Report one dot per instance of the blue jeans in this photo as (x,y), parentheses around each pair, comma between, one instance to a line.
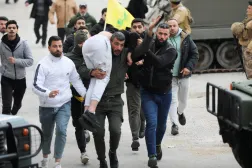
(155,108)
(48,117)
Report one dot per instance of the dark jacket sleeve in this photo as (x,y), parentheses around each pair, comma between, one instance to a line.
(164,59)
(29,1)
(68,43)
(71,22)
(84,72)
(193,55)
(142,48)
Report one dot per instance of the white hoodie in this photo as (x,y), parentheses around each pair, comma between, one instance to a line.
(54,73)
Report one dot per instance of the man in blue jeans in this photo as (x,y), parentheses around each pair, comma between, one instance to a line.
(52,79)
(155,79)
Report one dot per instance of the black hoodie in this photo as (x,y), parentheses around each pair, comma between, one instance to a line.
(97,28)
(11,43)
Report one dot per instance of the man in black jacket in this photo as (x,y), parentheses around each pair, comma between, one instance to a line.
(136,117)
(69,42)
(156,79)
(40,14)
(185,63)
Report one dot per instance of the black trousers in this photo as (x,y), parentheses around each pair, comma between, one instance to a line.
(12,88)
(41,20)
(112,108)
(61,33)
(77,109)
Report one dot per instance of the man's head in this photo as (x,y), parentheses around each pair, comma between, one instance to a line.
(80,21)
(12,28)
(117,43)
(162,32)
(249,9)
(55,46)
(83,8)
(3,21)
(175,3)
(137,25)
(79,38)
(104,13)
(174,27)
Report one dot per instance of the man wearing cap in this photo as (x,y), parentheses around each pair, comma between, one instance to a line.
(90,20)
(3,21)
(182,15)
(77,107)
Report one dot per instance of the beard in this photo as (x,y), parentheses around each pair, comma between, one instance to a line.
(159,43)
(57,53)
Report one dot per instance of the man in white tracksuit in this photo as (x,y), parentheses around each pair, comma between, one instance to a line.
(52,79)
(185,63)
(97,55)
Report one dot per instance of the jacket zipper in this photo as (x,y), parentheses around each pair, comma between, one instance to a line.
(14,66)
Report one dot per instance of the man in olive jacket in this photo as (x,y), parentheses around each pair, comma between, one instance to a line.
(89,19)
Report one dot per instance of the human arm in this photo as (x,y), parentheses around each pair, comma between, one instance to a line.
(145,45)
(76,81)
(193,55)
(51,13)
(71,22)
(38,82)
(163,59)
(27,61)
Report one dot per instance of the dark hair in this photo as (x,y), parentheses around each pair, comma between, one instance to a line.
(3,18)
(79,18)
(11,22)
(103,10)
(118,35)
(163,26)
(136,20)
(53,38)
(176,3)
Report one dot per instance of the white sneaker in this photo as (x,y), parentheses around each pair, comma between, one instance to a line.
(84,158)
(57,165)
(44,163)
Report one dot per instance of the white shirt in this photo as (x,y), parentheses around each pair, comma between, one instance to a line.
(56,73)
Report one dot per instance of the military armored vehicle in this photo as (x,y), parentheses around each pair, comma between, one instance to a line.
(19,142)
(210,30)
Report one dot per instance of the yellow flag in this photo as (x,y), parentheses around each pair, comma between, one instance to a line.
(118,16)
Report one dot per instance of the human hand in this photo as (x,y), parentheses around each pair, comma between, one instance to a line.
(139,41)
(154,22)
(11,60)
(27,4)
(185,72)
(53,93)
(140,62)
(97,73)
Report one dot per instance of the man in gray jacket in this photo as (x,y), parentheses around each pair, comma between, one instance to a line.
(15,56)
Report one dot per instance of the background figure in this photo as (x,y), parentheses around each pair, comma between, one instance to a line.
(137,8)
(39,12)
(83,11)
(64,9)
(3,21)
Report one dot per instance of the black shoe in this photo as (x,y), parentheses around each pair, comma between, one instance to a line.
(152,163)
(89,121)
(135,145)
(43,45)
(174,129)
(159,152)
(103,164)
(141,134)
(182,119)
(7,2)
(113,160)
(38,39)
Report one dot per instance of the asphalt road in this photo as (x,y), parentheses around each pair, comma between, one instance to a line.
(198,144)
